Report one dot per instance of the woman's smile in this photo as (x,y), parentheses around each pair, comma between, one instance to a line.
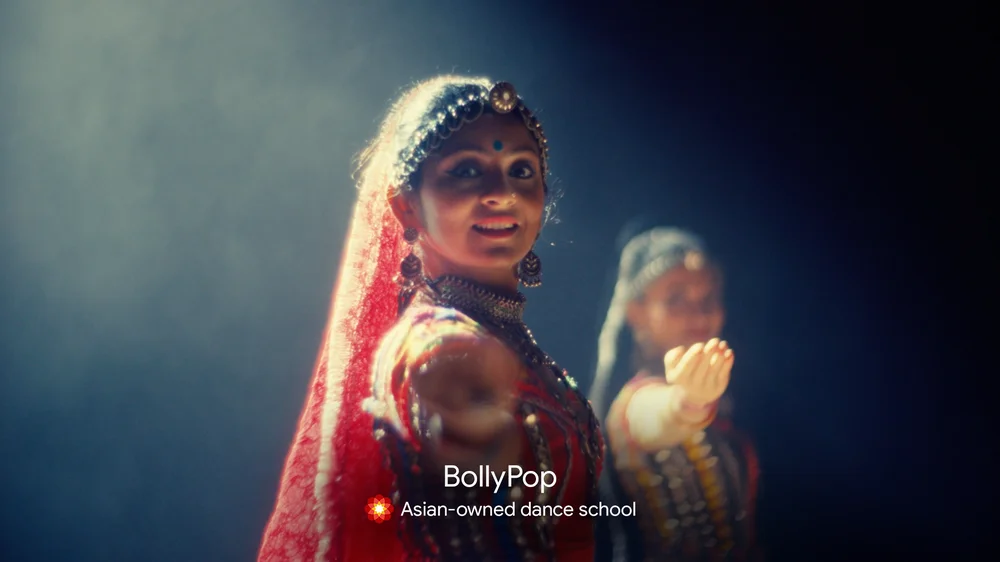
(497,227)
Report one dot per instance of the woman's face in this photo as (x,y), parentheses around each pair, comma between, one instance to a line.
(679,308)
(480,200)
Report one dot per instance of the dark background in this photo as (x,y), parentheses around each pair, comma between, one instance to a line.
(176,187)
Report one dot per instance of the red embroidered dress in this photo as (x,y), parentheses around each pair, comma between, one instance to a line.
(560,434)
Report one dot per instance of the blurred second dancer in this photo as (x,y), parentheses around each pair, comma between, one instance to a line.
(662,372)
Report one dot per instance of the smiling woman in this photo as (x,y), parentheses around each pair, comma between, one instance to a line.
(478,204)
(427,363)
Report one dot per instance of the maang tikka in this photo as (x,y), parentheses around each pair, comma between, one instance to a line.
(410,271)
(529,270)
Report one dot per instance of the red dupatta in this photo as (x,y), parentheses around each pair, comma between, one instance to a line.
(335,465)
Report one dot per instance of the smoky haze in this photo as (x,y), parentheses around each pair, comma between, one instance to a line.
(148,132)
(176,186)
(155,150)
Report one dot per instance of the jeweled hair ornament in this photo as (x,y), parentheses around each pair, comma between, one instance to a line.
(460,106)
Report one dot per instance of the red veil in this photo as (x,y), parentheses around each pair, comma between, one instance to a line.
(335,464)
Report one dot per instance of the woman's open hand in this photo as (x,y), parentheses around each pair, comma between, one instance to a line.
(467,391)
(701,371)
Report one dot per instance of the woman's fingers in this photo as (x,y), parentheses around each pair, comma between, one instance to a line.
(470,414)
(469,437)
(701,372)
(469,371)
(716,362)
(465,388)
(672,358)
(726,367)
(719,356)
(475,426)
(717,380)
(682,374)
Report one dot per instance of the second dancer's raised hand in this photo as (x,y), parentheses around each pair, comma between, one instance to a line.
(701,371)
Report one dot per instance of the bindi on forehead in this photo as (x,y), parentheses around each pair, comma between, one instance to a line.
(490,134)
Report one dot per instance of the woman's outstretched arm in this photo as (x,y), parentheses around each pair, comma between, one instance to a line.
(655,413)
(448,392)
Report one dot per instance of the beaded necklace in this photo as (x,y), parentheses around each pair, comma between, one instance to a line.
(699,455)
(504,314)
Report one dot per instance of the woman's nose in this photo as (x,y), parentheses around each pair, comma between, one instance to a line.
(500,195)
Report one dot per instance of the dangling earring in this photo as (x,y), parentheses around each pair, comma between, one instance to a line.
(529,270)
(410,271)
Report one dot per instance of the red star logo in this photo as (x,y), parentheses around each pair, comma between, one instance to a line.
(379,509)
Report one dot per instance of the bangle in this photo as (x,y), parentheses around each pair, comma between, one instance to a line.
(707,412)
(696,408)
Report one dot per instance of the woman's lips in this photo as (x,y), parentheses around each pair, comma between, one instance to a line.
(496,227)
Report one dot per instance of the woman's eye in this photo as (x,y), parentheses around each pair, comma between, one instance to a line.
(522,171)
(465,171)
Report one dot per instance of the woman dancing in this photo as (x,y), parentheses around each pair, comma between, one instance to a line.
(427,364)
(661,374)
